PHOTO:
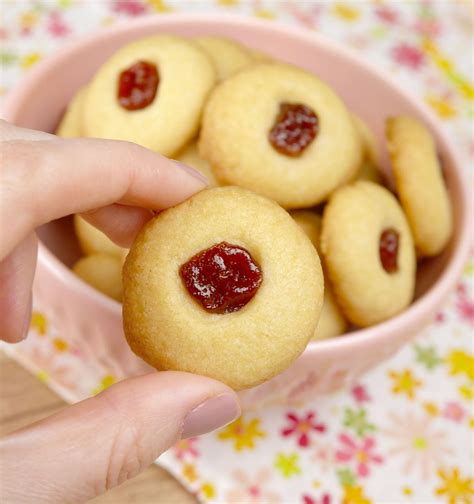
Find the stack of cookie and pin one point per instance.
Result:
(101, 265)
(274, 132)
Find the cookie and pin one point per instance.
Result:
(94, 241)
(420, 185)
(259, 56)
(190, 156)
(331, 322)
(102, 271)
(150, 92)
(310, 223)
(237, 297)
(370, 155)
(123, 255)
(71, 122)
(281, 132)
(227, 56)
(370, 173)
(368, 252)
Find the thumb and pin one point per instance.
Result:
(90, 447)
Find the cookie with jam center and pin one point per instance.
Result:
(151, 92)
(369, 253)
(224, 285)
(280, 131)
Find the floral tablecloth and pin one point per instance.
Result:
(404, 433)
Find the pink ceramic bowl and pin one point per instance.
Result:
(86, 316)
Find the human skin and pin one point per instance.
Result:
(94, 445)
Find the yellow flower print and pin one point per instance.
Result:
(407, 490)
(29, 60)
(471, 423)
(354, 495)
(466, 392)
(441, 107)
(208, 490)
(107, 21)
(454, 488)
(468, 269)
(346, 11)
(189, 473)
(264, 14)
(461, 362)
(28, 20)
(243, 433)
(159, 5)
(60, 345)
(228, 3)
(42, 376)
(287, 464)
(431, 408)
(39, 323)
(447, 67)
(404, 383)
(106, 381)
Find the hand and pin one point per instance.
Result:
(96, 444)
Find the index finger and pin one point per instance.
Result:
(47, 179)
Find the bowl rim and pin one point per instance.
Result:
(418, 310)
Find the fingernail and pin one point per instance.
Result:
(211, 415)
(191, 171)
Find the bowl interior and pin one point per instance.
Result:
(365, 91)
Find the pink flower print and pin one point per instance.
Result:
(129, 7)
(303, 389)
(454, 411)
(252, 489)
(439, 318)
(360, 395)
(325, 456)
(419, 446)
(465, 307)
(461, 289)
(56, 25)
(186, 448)
(387, 15)
(471, 148)
(325, 499)
(25, 31)
(306, 17)
(428, 27)
(358, 40)
(302, 427)
(408, 56)
(362, 453)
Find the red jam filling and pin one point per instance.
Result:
(295, 127)
(222, 278)
(137, 86)
(388, 250)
